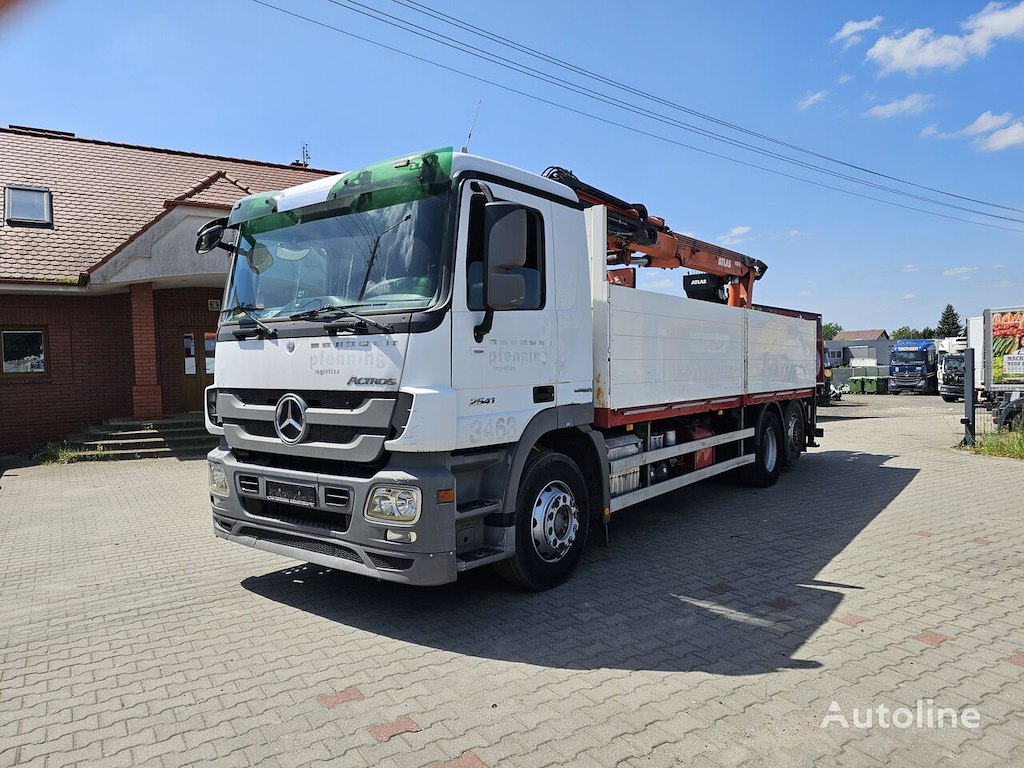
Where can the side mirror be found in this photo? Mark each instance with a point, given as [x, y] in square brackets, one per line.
[505, 240]
[506, 229]
[209, 236]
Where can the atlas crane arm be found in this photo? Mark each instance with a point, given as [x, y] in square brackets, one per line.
[632, 230]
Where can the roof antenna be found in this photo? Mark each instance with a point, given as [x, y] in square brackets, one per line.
[303, 162]
[465, 147]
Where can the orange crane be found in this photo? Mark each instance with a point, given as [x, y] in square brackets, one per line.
[632, 230]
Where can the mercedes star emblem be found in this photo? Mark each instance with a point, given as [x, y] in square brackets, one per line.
[290, 419]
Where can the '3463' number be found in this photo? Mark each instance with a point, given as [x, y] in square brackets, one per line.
[501, 429]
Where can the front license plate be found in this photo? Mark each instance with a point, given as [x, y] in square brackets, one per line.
[293, 494]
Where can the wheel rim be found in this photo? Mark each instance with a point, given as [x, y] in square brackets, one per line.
[771, 450]
[555, 521]
[794, 434]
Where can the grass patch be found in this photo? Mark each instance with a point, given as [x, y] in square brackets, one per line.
[62, 453]
[1003, 443]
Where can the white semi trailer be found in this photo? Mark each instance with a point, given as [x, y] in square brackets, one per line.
[427, 366]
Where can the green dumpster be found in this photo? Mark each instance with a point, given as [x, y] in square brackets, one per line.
[883, 385]
[870, 385]
[856, 385]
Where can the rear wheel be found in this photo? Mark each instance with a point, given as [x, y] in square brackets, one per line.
[552, 520]
[793, 434]
[764, 472]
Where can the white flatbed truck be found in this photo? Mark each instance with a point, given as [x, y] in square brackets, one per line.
[427, 366]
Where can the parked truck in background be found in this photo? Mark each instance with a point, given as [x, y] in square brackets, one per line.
[976, 342]
[951, 377]
[1004, 366]
[913, 367]
[439, 363]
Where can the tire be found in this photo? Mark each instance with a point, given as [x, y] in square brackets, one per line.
[764, 472]
[794, 434]
[1015, 421]
[552, 496]
[950, 398]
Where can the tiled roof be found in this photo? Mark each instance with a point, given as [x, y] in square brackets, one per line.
[872, 334]
[104, 193]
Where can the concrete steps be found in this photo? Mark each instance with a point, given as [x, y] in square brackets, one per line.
[134, 439]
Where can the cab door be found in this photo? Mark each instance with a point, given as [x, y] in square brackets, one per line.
[502, 381]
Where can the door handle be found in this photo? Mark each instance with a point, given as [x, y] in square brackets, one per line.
[545, 394]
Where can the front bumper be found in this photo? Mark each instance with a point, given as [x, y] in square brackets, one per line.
[898, 385]
[951, 389]
[337, 535]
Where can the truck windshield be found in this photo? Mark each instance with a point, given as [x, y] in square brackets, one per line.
[386, 259]
[953, 365]
[908, 356]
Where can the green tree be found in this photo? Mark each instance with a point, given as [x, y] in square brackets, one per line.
[905, 332]
[949, 323]
[928, 333]
[829, 330]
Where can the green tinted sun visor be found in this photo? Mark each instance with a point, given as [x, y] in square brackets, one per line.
[392, 182]
[399, 180]
[254, 206]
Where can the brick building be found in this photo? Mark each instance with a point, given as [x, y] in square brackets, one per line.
[105, 308]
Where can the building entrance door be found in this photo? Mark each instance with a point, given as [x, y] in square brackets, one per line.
[198, 350]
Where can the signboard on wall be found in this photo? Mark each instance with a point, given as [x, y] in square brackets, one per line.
[1004, 347]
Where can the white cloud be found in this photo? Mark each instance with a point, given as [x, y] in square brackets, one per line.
[794, 233]
[843, 79]
[922, 49]
[734, 236]
[909, 268]
[806, 293]
[959, 271]
[998, 266]
[985, 122]
[1007, 284]
[914, 104]
[811, 99]
[909, 296]
[850, 33]
[656, 284]
[1010, 136]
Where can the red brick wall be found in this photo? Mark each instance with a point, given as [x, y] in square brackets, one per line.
[178, 311]
[146, 396]
[88, 367]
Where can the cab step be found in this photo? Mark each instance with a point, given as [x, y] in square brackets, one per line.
[480, 557]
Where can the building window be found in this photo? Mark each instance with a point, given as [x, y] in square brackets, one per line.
[24, 352]
[28, 206]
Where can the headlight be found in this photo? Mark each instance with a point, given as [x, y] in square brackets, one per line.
[393, 504]
[218, 479]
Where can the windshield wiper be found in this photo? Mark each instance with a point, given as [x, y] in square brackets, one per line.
[337, 325]
[247, 312]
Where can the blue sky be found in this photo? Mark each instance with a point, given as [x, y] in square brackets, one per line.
[929, 92]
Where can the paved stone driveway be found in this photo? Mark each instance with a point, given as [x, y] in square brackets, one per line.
[716, 631]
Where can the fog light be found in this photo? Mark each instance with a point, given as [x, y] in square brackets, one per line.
[393, 504]
[405, 537]
[218, 479]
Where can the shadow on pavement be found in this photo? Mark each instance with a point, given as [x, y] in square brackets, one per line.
[696, 580]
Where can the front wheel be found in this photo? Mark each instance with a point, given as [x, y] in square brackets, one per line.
[551, 520]
[764, 471]
[950, 398]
